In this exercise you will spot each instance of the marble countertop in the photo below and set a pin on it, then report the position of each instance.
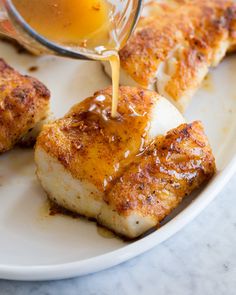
(200, 259)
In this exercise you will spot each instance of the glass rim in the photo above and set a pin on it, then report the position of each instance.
(55, 47)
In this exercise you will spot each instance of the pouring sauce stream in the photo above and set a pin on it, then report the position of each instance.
(83, 24)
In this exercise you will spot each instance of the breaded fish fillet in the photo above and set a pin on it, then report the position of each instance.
(24, 102)
(92, 149)
(157, 181)
(174, 45)
(84, 156)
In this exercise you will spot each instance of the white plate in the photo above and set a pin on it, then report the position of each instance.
(36, 246)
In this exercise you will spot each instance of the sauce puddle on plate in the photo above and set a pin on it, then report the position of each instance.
(53, 209)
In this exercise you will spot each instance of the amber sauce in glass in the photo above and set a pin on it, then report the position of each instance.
(78, 23)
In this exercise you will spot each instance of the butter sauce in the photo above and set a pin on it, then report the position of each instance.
(98, 26)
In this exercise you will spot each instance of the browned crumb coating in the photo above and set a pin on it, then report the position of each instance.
(170, 169)
(113, 169)
(152, 182)
(24, 101)
(188, 36)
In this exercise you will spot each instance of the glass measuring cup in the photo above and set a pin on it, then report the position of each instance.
(123, 13)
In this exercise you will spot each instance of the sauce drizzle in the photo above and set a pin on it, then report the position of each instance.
(96, 26)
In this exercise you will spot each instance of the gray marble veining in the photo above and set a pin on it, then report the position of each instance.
(199, 260)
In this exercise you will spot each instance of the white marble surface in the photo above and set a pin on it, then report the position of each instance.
(199, 260)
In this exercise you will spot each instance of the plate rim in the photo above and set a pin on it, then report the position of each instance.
(113, 258)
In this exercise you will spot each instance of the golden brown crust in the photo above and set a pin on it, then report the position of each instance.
(193, 32)
(23, 102)
(153, 177)
(94, 147)
(171, 168)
